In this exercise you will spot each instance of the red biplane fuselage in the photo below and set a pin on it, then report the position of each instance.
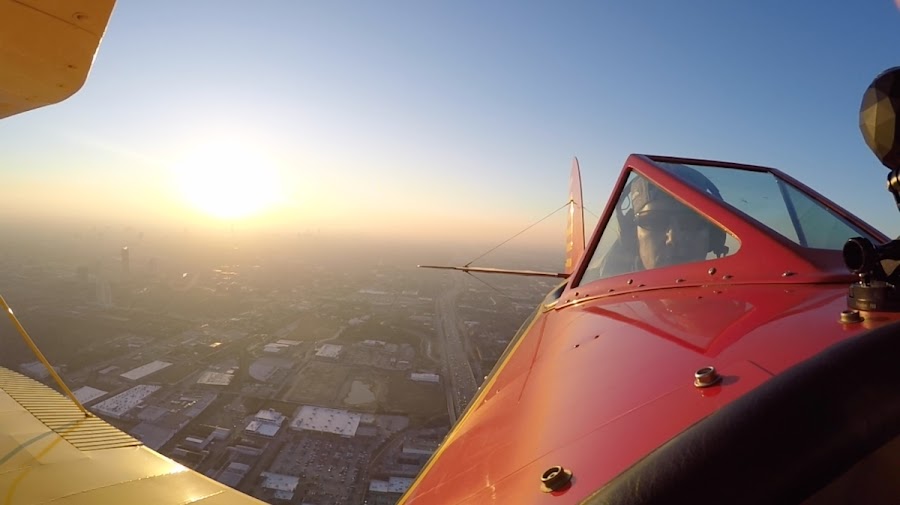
(603, 373)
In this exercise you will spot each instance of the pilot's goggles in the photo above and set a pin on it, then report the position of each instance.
(664, 220)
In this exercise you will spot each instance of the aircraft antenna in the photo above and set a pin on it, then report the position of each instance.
(37, 352)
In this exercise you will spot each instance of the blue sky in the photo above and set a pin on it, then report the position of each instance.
(456, 117)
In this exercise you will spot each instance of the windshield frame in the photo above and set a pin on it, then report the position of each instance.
(787, 257)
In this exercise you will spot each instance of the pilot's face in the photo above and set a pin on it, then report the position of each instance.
(669, 233)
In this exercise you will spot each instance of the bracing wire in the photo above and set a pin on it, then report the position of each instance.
(486, 283)
(532, 225)
(589, 212)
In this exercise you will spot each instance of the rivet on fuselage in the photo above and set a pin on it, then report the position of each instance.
(555, 478)
(711, 271)
(706, 377)
(787, 273)
(850, 316)
(726, 277)
(630, 281)
(679, 281)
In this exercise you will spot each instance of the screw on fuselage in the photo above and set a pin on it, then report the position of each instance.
(706, 377)
(555, 478)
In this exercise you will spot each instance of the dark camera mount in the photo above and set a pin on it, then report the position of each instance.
(879, 122)
(893, 185)
(875, 290)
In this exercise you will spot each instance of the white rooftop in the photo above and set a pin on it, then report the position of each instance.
(87, 393)
(425, 377)
(329, 350)
(215, 378)
(339, 422)
(118, 405)
(288, 342)
(145, 370)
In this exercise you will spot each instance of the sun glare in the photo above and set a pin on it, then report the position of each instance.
(227, 180)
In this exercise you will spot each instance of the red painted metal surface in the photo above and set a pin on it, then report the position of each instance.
(596, 385)
(605, 376)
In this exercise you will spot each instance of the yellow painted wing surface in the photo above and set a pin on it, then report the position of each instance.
(51, 453)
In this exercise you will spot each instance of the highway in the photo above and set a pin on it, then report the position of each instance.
(459, 380)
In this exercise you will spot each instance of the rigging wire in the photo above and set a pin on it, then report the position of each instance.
(532, 225)
(479, 279)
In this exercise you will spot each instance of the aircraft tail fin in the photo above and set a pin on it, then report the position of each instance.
(575, 226)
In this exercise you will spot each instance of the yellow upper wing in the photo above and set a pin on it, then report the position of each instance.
(51, 453)
(46, 49)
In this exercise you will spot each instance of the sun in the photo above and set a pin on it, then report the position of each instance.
(228, 180)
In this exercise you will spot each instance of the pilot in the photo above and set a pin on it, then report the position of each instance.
(668, 232)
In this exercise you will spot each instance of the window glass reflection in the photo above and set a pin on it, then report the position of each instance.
(651, 229)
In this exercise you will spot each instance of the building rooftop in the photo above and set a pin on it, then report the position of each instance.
(86, 394)
(118, 405)
(35, 369)
(280, 482)
(151, 435)
(392, 485)
(339, 422)
(215, 378)
(144, 370)
(270, 415)
(425, 377)
(262, 428)
(329, 351)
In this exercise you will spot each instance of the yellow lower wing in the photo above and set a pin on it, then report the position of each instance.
(51, 453)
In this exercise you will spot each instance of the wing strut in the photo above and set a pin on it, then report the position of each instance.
(37, 352)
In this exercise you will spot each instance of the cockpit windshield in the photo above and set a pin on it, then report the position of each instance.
(778, 205)
(652, 229)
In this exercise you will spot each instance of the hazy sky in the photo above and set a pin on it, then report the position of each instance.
(431, 118)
